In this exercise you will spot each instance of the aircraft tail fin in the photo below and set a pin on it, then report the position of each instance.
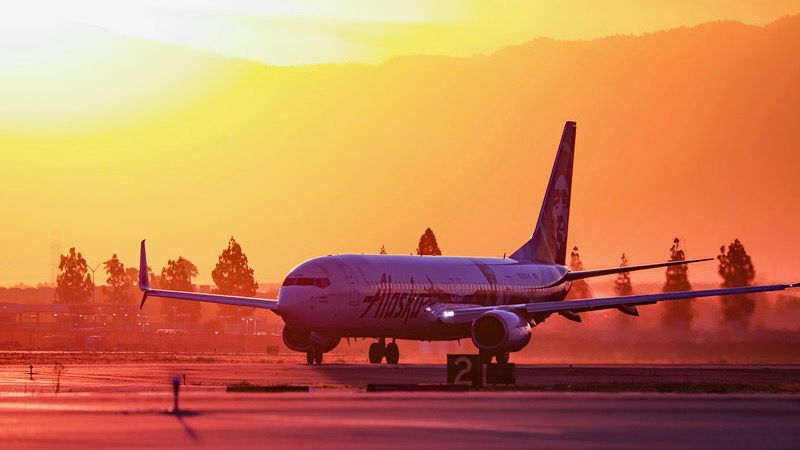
(549, 240)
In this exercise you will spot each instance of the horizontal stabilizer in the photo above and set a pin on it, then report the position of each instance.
(629, 310)
(581, 274)
(569, 315)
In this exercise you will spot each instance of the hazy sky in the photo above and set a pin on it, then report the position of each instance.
(286, 32)
(105, 140)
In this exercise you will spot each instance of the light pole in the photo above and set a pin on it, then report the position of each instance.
(93, 285)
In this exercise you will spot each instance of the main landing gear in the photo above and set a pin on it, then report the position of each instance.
(314, 356)
(380, 350)
(486, 358)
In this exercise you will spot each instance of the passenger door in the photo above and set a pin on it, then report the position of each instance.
(350, 279)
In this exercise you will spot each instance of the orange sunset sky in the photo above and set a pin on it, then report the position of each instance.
(317, 127)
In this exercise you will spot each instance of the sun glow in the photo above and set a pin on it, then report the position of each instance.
(282, 32)
(217, 117)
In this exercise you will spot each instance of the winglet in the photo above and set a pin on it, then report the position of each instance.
(144, 280)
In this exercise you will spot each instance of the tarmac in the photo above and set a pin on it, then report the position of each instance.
(155, 377)
(130, 406)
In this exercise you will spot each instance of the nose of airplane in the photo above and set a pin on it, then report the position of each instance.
(302, 286)
(290, 305)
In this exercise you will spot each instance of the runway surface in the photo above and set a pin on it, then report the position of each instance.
(430, 420)
(127, 406)
(155, 377)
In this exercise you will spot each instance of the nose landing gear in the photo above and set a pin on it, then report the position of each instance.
(380, 350)
(314, 356)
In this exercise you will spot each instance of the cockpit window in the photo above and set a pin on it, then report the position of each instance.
(305, 281)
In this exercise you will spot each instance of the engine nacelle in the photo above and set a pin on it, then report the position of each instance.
(500, 331)
(296, 340)
(324, 343)
(302, 341)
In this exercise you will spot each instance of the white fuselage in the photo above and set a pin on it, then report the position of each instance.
(401, 296)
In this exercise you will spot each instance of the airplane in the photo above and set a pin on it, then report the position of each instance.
(494, 301)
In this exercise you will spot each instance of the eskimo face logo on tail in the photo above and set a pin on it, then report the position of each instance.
(559, 211)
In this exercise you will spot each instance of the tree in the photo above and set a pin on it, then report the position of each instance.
(427, 244)
(580, 288)
(383, 250)
(622, 285)
(233, 276)
(736, 269)
(74, 284)
(177, 276)
(119, 283)
(132, 275)
(678, 313)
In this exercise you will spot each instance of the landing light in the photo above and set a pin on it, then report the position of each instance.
(449, 313)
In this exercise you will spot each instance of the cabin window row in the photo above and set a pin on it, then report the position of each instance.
(449, 286)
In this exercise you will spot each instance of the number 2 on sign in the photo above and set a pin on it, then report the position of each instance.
(467, 369)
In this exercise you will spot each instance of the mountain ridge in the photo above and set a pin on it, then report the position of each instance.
(689, 133)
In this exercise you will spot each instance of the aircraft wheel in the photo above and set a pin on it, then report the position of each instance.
(502, 358)
(318, 357)
(486, 358)
(392, 353)
(310, 356)
(376, 351)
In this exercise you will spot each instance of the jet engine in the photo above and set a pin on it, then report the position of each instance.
(302, 341)
(324, 343)
(500, 332)
(296, 340)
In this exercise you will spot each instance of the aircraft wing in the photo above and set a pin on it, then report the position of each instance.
(254, 302)
(457, 316)
(144, 286)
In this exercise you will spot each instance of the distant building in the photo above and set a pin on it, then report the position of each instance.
(65, 317)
